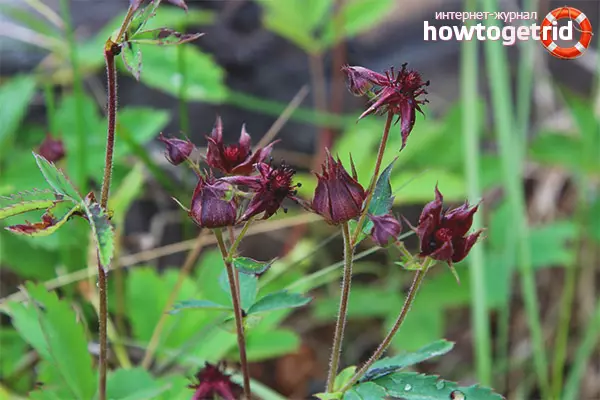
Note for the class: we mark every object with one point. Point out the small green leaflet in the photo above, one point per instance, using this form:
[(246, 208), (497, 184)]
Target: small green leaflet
[(23, 202), (249, 266), (103, 233), (366, 391), (278, 301), (248, 288), (163, 37), (343, 377), (48, 225), (388, 365), (415, 386), (56, 178), (199, 304), (131, 54)]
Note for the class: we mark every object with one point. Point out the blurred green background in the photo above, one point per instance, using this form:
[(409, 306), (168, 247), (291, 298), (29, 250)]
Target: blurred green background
[(512, 125)]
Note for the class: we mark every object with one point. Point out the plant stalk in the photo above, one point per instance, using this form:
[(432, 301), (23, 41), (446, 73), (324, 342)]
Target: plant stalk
[(414, 288), (237, 309), (111, 78), (102, 323), (382, 144), (338, 336)]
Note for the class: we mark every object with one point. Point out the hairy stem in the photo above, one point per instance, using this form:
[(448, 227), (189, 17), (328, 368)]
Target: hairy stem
[(102, 332), (111, 78), (414, 288), (188, 264), (382, 144), (237, 309), (338, 337)]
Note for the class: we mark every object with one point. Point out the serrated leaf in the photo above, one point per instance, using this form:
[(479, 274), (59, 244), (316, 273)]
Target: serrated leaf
[(47, 226), (163, 37), (23, 202), (131, 54), (415, 386), (248, 288), (278, 301), (56, 179), (250, 266), (102, 232), (343, 377), (58, 338), (388, 365), (203, 304), (329, 396), (366, 391)]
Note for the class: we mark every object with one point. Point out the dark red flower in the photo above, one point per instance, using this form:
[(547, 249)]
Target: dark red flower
[(213, 205), (385, 229), (52, 149), (396, 93), (338, 196), (234, 159), (270, 187), (213, 382), (177, 150), (442, 233)]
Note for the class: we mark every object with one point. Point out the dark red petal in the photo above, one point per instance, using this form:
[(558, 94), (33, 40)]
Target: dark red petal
[(433, 208), (385, 229), (217, 132), (321, 202), (462, 246), (459, 220), (425, 232), (245, 140), (407, 114), (443, 253)]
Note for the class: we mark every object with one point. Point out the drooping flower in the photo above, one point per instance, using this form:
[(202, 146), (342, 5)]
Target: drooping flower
[(213, 205), (338, 196), (52, 149), (177, 150), (396, 93), (385, 229), (211, 382), (270, 187), (237, 158), (442, 233)]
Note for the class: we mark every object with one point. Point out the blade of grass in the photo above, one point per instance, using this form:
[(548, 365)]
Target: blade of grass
[(510, 153), (583, 354), (79, 175), (470, 120)]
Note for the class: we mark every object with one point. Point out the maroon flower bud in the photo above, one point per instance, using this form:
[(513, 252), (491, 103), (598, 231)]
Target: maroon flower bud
[(395, 93), (234, 159), (213, 205), (52, 149), (177, 150), (211, 382), (442, 233), (338, 196), (385, 229), (271, 186)]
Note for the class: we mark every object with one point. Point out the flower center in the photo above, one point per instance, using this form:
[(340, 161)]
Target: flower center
[(235, 154)]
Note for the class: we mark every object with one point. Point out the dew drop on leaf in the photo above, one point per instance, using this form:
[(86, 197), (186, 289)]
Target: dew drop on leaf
[(457, 395), (439, 385), (407, 387)]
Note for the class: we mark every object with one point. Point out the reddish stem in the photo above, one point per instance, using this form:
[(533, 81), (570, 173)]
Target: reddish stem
[(111, 77)]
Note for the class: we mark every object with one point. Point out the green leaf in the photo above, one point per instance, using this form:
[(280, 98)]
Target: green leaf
[(415, 386), (15, 97), (265, 345), (204, 79), (103, 233), (141, 17), (131, 54), (382, 201), (366, 391), (388, 365), (163, 37), (23, 202), (344, 377), (557, 149), (203, 304), (329, 396), (58, 338), (252, 267), (248, 288), (47, 226), (56, 179), (133, 384), (279, 300), (169, 16), (357, 16)]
